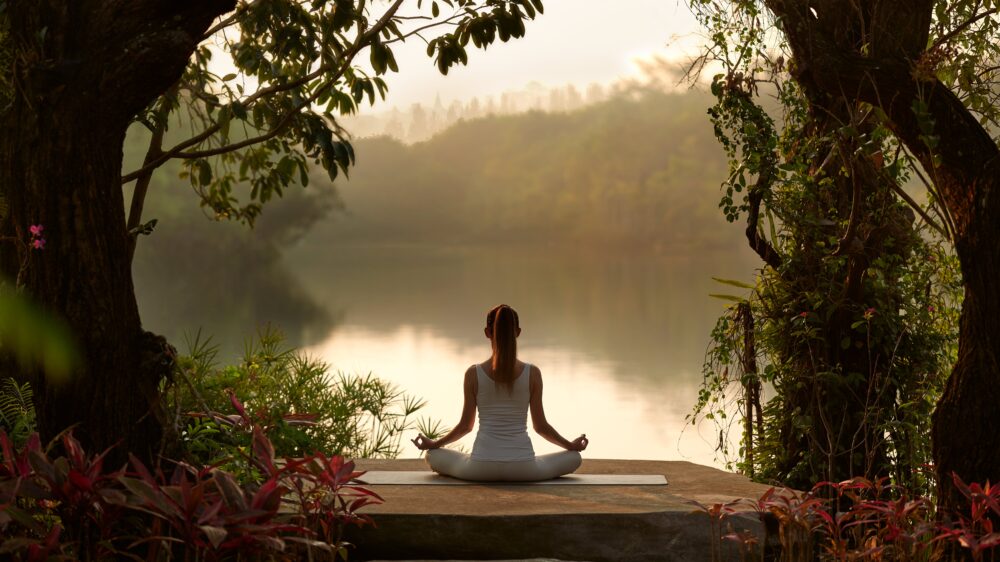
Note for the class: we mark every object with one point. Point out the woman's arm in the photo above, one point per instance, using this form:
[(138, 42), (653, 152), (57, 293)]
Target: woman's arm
[(465, 424), (538, 421)]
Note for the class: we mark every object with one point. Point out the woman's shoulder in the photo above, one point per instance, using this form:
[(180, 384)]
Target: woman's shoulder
[(471, 382), (533, 371)]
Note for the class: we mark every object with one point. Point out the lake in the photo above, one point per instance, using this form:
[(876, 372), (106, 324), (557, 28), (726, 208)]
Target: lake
[(619, 339)]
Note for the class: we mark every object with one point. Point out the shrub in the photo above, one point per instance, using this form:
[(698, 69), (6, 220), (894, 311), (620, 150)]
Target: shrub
[(72, 507), (293, 399), (883, 523), (262, 476)]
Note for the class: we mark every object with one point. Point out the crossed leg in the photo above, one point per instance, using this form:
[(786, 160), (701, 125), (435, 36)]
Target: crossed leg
[(543, 467)]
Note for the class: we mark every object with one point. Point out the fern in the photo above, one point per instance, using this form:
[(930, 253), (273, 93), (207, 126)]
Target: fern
[(17, 414)]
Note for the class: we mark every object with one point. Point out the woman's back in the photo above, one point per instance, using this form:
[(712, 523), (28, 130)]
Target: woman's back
[(503, 418), (502, 450)]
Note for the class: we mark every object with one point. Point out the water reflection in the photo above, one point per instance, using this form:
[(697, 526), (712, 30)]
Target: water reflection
[(619, 340), (580, 397), (224, 280)]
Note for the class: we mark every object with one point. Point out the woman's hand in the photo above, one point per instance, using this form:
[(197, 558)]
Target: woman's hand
[(424, 443), (579, 444)]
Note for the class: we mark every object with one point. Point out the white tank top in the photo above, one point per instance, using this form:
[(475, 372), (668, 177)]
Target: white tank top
[(503, 419)]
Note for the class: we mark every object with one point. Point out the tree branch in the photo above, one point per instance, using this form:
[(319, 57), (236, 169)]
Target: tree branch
[(417, 31), (147, 45), (285, 120), (141, 187), (230, 20), (164, 156), (919, 210), (178, 150), (962, 27), (758, 243), (208, 132), (940, 208)]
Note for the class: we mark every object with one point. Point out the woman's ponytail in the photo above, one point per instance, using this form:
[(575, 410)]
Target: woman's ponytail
[(504, 321)]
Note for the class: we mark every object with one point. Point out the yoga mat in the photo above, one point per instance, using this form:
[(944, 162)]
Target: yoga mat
[(427, 478)]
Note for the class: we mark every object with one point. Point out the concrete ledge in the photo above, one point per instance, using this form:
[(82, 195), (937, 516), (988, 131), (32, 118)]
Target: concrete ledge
[(579, 523)]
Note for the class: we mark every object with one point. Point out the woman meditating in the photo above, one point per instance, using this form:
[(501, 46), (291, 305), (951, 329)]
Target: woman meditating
[(503, 389)]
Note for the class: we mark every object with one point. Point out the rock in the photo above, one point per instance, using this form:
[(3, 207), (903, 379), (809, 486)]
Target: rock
[(578, 523)]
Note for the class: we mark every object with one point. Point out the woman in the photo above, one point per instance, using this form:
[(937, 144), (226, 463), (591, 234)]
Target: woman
[(503, 389)]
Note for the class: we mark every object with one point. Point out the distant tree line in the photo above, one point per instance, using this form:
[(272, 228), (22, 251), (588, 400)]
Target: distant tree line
[(639, 171), (419, 122)]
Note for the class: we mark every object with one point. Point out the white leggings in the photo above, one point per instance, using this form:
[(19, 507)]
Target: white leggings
[(460, 465)]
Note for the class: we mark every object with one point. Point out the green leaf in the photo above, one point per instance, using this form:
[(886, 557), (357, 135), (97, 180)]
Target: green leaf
[(303, 174), (528, 8), (239, 110), (390, 62), (204, 172), (143, 229), (731, 298), (286, 167), (225, 117), (733, 283), (378, 58)]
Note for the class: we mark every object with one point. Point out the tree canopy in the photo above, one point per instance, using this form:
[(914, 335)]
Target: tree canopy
[(296, 67)]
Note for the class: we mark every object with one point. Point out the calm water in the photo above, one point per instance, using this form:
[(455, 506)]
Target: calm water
[(620, 341)]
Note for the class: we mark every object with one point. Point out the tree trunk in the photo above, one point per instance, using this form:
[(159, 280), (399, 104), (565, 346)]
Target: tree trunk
[(61, 168), (81, 72), (968, 414)]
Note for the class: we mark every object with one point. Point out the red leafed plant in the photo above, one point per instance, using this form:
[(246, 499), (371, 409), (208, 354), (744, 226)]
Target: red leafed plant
[(69, 507), (878, 522)]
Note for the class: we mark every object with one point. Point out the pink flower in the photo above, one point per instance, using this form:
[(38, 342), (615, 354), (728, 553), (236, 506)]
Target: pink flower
[(38, 243), (803, 315), (36, 229), (931, 308)]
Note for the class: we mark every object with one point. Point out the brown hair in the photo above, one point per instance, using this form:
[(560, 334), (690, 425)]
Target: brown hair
[(502, 320)]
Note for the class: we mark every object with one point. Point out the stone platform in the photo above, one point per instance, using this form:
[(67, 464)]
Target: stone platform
[(578, 523)]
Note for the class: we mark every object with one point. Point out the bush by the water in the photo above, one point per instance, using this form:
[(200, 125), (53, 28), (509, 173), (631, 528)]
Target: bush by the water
[(291, 397), (259, 474)]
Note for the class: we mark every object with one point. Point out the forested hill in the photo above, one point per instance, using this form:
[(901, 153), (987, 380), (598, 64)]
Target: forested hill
[(639, 171)]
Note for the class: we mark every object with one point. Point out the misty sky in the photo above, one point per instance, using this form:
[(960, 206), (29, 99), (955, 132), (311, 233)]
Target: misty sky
[(575, 42)]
